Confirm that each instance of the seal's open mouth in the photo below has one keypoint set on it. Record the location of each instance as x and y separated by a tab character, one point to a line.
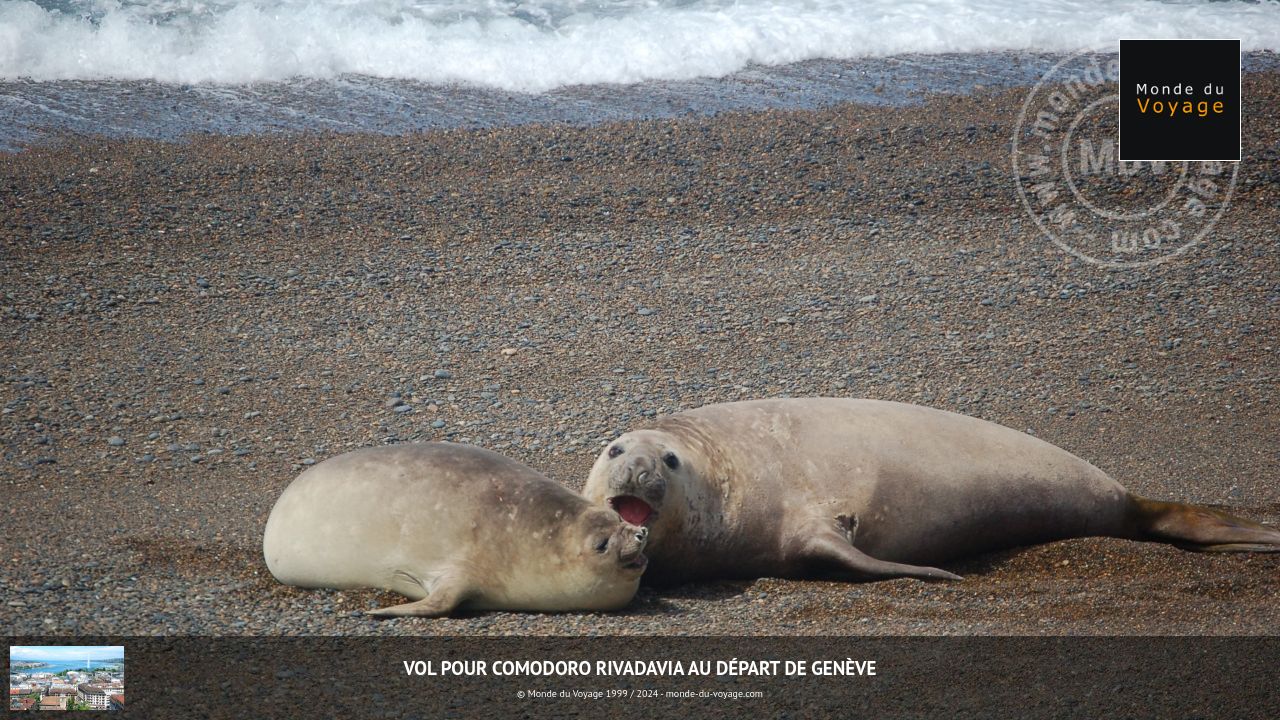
632	509
638	564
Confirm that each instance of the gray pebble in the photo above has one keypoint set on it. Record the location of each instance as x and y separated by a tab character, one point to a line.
442	375
115	441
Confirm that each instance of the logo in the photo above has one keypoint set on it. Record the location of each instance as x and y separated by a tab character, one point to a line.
1180	100
1091	204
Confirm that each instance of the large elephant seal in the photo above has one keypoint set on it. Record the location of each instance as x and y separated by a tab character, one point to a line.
868	489
451	525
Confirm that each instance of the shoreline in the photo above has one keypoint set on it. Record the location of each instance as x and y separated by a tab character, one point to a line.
44	114
187	324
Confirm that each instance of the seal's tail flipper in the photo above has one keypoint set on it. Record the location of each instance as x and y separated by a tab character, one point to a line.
1201	529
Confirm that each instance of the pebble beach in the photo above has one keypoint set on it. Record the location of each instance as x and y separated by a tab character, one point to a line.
188	325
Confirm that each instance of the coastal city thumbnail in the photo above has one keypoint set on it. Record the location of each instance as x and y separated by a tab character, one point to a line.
66	677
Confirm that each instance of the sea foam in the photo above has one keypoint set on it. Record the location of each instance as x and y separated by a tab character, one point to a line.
543	44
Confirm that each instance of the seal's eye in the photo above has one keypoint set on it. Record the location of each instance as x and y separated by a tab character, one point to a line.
615	451
671	460
602	545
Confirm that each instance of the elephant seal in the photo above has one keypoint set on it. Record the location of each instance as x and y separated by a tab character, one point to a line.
448	526
868	489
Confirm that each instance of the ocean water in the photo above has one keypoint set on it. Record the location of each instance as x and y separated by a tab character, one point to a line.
538	45
57	666
166	68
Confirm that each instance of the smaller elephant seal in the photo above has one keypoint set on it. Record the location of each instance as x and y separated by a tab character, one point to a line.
869	489
451	526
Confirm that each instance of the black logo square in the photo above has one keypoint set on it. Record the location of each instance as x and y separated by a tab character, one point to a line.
1180	100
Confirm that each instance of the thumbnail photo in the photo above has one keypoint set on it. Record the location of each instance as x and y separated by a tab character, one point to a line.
66	677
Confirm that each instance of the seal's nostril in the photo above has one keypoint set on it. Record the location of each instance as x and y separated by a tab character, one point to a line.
644	475
644	533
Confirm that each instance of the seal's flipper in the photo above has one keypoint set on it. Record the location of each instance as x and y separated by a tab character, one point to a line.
833	549
444	598
1200	529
